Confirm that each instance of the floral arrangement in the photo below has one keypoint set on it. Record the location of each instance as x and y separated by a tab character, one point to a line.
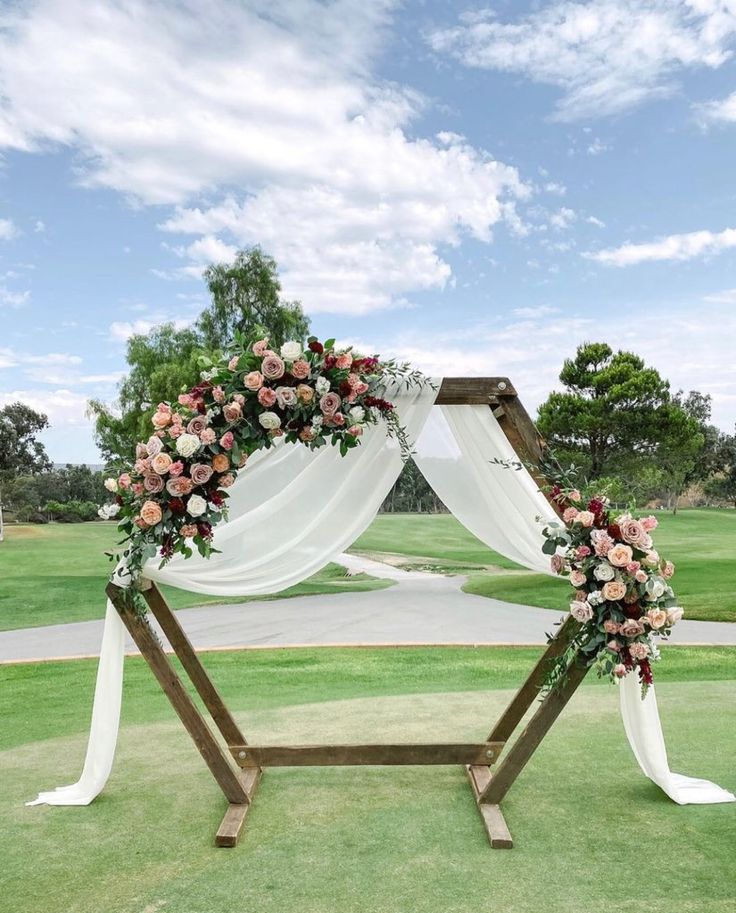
176	491
623	598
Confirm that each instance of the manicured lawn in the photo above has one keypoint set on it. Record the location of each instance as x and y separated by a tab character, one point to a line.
702	543
366	840
56	573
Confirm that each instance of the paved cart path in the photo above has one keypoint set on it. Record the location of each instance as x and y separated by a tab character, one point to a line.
421	608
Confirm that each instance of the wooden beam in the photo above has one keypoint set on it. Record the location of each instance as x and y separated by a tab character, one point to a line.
188	712
249	756
195	670
228	833
493	819
524	747
464	391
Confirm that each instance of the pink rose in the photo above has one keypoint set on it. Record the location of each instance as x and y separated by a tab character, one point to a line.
668	570
285	397
227	440
557	563
307	434
585	518
355	430
232	412
577	578
208	436
150	513
361	388
254	380
142	466
185	399
614	645
631	628
201	473
197	425
124	480
573	495
182	485
154	446
344	361
582	551
266	397
649	523
632	567
634	533
232	365
137	488
610	626
176	469
620	555
153	482
602	542
161	463
640	576
176	431
300	369
239	398
260	348
337	419
227	480
188	531
570	514
581	611
272	367
639	650
613	591
141	451
330	403
619	670
353	380
674	615
218	395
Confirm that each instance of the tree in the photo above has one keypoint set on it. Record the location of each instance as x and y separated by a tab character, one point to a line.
165	362
722	485
246	297
681	442
20	450
615	414
162	364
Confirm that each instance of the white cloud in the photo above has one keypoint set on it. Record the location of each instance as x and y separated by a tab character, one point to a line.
673	247
12	299
563	218
592	220
39	227
607	56
7	229
122	330
53	368
722	111
727	296
63	407
596	147
276	99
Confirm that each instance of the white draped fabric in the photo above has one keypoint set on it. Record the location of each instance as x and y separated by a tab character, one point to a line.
294	510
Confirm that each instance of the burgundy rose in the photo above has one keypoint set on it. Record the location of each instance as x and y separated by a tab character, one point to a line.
216	498
177	506
330	362
204	529
316	347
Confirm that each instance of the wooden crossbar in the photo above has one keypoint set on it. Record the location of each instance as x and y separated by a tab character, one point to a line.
237	767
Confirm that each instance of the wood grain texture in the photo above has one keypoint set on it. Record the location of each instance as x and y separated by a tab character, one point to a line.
187	655
380	755
494	822
187	711
468	391
229	831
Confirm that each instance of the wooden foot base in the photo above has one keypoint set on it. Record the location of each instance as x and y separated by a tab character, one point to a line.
493	819
228	833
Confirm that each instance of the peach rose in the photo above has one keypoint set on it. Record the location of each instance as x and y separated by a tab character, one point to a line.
639	650
620	555
304	393
668	570
631	628
253	380
300	369
151	513
585	518
674	615
570	514
232	412
220	462
613	590
189	530
610	626
160	420
260	348
179	487
161	463
266	397
344	361
227	480
657	618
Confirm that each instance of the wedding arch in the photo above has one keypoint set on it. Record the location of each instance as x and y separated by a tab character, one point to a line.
293	509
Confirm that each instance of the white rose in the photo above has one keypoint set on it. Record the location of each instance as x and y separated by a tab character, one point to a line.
604	572
317	422
108	511
269	420
111	484
356	415
322	386
290	351
674	615
187	444
581	611
655	589
595	598
196	505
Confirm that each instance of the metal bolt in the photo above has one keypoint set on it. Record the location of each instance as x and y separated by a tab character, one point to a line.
241	754
502	385
489	754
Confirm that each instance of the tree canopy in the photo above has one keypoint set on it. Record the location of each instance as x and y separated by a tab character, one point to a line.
21	451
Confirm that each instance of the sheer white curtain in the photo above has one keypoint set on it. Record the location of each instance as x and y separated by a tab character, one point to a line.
294	510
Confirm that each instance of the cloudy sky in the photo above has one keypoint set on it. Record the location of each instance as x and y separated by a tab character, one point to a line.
478	189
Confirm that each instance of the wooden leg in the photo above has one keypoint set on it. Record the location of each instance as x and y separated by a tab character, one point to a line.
228	833
526	695
184	650
528	742
493	819
210	749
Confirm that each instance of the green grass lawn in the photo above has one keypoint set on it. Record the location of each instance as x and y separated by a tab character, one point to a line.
702	543
590	831
56	573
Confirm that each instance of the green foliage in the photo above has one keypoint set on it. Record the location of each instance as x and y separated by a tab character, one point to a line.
246	297
71	511
412	493
722	484
27	496
20	451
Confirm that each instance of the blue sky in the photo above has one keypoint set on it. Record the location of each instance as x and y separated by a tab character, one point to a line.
476	189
